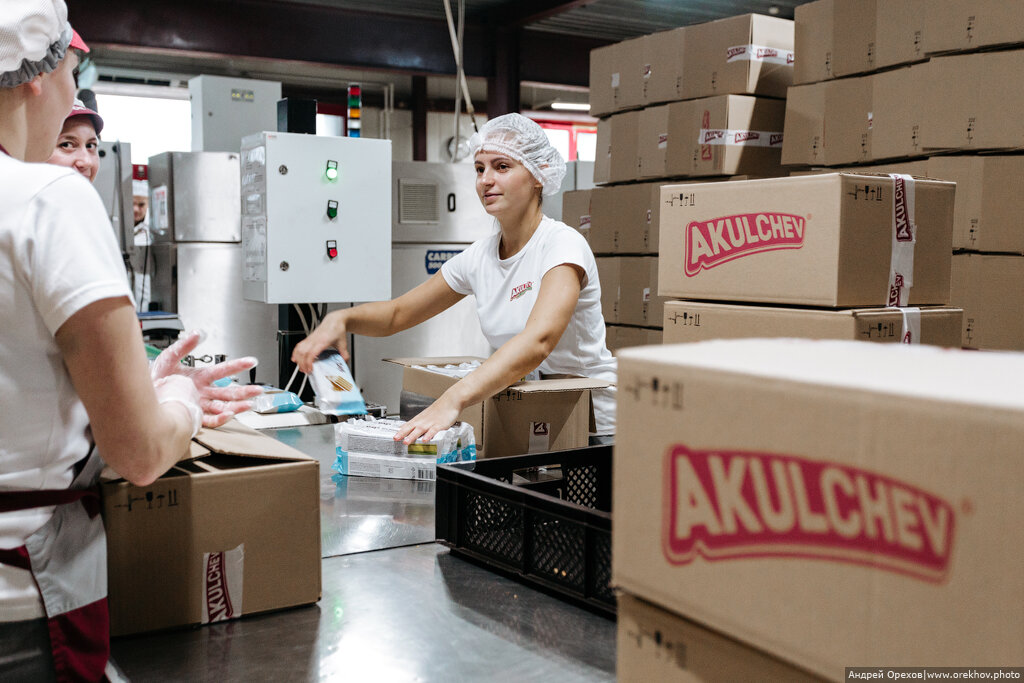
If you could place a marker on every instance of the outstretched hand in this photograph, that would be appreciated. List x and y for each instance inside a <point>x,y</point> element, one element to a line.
<point>438,416</point>
<point>219,404</point>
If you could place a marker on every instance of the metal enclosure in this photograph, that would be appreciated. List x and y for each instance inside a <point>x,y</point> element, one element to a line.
<point>224,110</point>
<point>194,197</point>
<point>316,218</point>
<point>114,184</point>
<point>197,257</point>
<point>435,214</point>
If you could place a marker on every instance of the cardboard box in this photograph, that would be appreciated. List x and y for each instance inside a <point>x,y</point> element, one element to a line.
<point>527,417</point>
<point>625,219</point>
<point>631,64</point>
<point>900,31</point>
<point>639,303</point>
<point>663,66</point>
<point>960,25</point>
<point>609,273</point>
<point>826,502</point>
<point>625,336</point>
<point>898,117</point>
<point>576,210</point>
<point>231,531</point>
<point>813,41</point>
<point>853,51</point>
<point>848,121</point>
<point>750,54</point>
<point>835,252</point>
<point>804,132</point>
<point>691,321</point>
<point>603,152</point>
<point>605,79</point>
<point>989,200</point>
<point>726,135</point>
<point>652,144</point>
<point>624,163</point>
<point>656,645</point>
<point>990,289</point>
<point>918,168</point>
<point>972,102</point>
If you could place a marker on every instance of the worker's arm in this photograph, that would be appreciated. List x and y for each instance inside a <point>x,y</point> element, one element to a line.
<point>556,301</point>
<point>136,434</point>
<point>376,319</point>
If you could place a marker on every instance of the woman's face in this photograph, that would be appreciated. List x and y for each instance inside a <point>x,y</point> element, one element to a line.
<point>503,184</point>
<point>78,147</point>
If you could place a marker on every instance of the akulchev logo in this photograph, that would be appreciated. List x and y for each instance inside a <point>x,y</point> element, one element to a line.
<point>725,505</point>
<point>710,243</point>
<point>520,290</point>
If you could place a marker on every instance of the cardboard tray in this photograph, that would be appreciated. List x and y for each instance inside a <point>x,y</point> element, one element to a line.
<point>551,529</point>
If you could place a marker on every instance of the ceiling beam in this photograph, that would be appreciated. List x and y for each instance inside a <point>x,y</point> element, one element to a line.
<point>525,12</point>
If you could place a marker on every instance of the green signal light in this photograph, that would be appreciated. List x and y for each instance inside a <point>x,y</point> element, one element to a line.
<point>332,170</point>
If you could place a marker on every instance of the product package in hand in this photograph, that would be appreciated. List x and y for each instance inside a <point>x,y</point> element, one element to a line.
<point>276,401</point>
<point>368,448</point>
<point>336,391</point>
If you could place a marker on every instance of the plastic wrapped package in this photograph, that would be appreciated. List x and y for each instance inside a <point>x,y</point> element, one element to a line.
<point>276,401</point>
<point>336,391</point>
<point>368,448</point>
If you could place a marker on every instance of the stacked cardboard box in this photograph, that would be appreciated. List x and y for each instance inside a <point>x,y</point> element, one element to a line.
<point>719,78</point>
<point>810,256</point>
<point>945,112</point>
<point>795,506</point>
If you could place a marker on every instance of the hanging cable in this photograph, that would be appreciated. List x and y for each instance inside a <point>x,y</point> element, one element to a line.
<point>460,71</point>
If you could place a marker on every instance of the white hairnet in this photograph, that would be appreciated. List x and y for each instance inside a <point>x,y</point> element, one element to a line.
<point>34,37</point>
<point>525,141</point>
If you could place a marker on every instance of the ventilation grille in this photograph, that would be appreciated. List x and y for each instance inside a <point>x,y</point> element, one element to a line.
<point>418,202</point>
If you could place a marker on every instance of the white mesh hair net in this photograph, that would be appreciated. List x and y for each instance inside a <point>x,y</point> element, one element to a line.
<point>34,37</point>
<point>523,140</point>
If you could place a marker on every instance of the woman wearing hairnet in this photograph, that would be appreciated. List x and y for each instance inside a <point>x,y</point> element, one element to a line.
<point>74,381</point>
<point>535,282</point>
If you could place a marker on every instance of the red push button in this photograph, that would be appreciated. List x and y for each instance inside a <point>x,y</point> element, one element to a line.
<point>332,249</point>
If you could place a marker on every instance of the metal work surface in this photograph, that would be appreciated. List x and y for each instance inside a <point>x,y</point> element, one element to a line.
<point>405,614</point>
<point>362,513</point>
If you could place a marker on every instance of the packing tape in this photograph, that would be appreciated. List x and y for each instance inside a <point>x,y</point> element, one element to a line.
<point>742,138</point>
<point>911,333</point>
<point>904,237</point>
<point>759,53</point>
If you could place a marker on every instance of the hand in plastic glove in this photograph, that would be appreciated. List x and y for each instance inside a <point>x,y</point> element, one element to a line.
<point>330,333</point>
<point>440,415</point>
<point>179,389</point>
<point>219,404</point>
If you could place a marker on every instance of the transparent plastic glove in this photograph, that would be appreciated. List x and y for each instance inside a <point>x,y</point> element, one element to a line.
<point>219,404</point>
<point>179,389</point>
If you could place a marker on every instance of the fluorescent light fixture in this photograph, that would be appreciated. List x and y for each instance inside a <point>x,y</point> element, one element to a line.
<point>571,106</point>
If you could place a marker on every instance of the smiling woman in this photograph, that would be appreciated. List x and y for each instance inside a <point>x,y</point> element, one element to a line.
<point>78,144</point>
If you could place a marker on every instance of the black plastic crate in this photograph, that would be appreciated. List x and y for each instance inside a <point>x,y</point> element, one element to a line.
<point>544,519</point>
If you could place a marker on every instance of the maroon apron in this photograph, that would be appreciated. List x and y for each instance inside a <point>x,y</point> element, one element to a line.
<point>68,560</point>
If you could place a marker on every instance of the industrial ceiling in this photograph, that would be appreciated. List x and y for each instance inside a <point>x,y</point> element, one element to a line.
<point>315,45</point>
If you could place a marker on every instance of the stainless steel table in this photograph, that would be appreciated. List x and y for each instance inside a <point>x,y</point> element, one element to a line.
<point>396,607</point>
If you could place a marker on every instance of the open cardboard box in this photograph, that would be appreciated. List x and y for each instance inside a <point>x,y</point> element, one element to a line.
<point>527,417</point>
<point>232,529</point>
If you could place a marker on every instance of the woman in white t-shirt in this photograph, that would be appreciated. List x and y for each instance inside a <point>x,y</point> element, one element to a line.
<point>535,282</point>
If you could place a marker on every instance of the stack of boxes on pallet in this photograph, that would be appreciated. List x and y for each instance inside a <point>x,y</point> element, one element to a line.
<point>928,89</point>
<point>701,101</point>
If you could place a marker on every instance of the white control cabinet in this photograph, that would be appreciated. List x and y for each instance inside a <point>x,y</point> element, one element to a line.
<point>316,218</point>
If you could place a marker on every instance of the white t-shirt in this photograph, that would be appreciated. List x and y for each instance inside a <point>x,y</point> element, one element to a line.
<point>506,290</point>
<point>57,255</point>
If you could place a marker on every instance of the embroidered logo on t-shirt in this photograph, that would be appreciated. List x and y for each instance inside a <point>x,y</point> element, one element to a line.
<point>520,290</point>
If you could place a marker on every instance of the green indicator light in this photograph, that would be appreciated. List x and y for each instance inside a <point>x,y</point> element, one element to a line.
<point>332,170</point>
<point>332,208</point>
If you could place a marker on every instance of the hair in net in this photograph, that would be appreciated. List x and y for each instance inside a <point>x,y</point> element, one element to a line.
<point>523,140</point>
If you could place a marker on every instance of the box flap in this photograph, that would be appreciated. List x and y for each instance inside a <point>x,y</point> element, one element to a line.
<point>234,438</point>
<point>436,360</point>
<point>574,384</point>
<point>194,451</point>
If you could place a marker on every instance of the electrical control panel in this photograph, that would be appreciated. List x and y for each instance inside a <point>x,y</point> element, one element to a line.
<point>316,218</point>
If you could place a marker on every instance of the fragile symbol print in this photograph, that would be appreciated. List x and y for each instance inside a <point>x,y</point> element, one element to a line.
<point>725,505</point>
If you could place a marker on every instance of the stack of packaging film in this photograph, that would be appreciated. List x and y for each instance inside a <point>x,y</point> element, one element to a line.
<point>702,101</point>
<point>927,89</point>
